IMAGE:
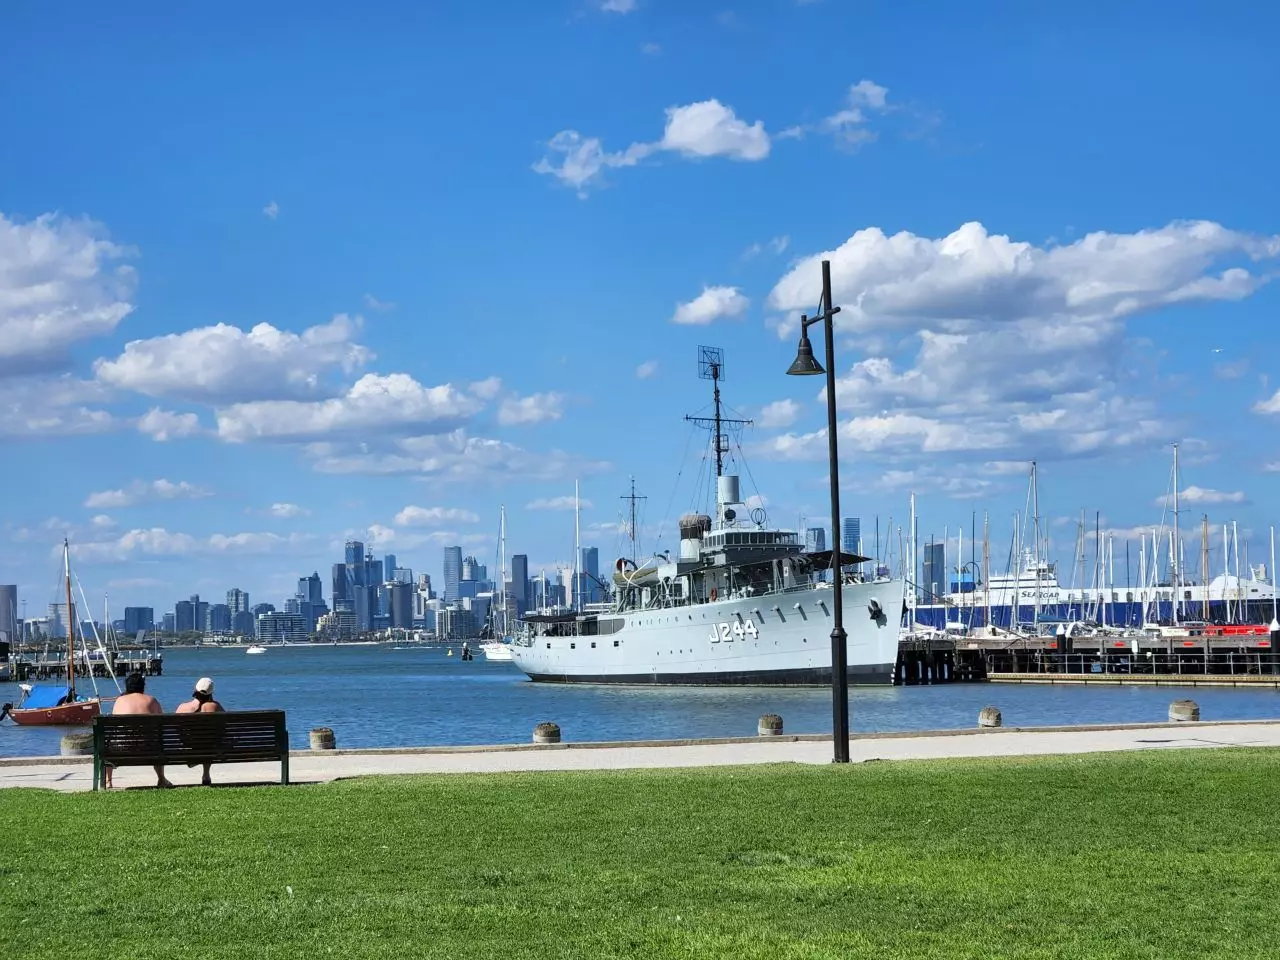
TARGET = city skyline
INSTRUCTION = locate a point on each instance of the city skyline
(215, 372)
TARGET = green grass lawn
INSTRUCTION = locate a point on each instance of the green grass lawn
(1114, 855)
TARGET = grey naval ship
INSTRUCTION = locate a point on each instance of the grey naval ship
(741, 603)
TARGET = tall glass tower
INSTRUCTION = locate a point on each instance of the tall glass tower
(452, 572)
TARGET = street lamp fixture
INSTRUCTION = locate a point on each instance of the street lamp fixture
(806, 364)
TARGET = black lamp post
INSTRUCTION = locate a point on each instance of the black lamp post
(806, 365)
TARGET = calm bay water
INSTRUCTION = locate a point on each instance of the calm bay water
(379, 696)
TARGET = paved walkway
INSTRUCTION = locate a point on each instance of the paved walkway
(75, 774)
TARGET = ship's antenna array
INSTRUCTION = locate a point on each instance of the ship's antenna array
(711, 367)
(632, 498)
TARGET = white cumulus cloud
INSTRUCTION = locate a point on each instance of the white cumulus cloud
(1202, 495)
(558, 503)
(223, 363)
(287, 511)
(395, 402)
(704, 129)
(535, 408)
(161, 425)
(982, 343)
(646, 370)
(412, 516)
(61, 281)
(780, 413)
(142, 491)
(712, 304)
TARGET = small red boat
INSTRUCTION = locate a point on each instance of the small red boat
(58, 706)
(49, 707)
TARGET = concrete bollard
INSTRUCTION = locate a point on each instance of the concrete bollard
(546, 733)
(989, 717)
(1181, 710)
(77, 744)
(770, 725)
(322, 738)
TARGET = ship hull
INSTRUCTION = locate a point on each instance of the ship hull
(78, 714)
(787, 643)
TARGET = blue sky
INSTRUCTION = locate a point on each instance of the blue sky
(271, 275)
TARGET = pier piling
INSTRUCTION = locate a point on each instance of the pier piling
(770, 725)
(990, 717)
(546, 733)
(322, 738)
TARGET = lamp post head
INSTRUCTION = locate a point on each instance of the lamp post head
(805, 363)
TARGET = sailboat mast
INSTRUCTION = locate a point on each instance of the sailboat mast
(1176, 552)
(915, 567)
(577, 552)
(1035, 506)
(1204, 565)
(986, 565)
(71, 622)
(1275, 599)
(502, 554)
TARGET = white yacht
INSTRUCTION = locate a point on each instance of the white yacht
(496, 650)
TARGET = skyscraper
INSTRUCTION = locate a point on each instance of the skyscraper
(237, 600)
(219, 618)
(933, 574)
(452, 572)
(9, 612)
(589, 574)
(388, 566)
(184, 617)
(850, 534)
(402, 605)
(815, 539)
(311, 589)
(341, 589)
(137, 618)
(520, 581)
(357, 573)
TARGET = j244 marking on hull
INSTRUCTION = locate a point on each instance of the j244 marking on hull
(737, 630)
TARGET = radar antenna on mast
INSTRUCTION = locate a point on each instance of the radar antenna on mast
(711, 367)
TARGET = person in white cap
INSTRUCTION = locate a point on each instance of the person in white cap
(202, 702)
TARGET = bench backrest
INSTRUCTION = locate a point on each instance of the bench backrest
(244, 734)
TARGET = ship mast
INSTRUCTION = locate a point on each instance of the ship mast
(71, 627)
(711, 367)
(633, 530)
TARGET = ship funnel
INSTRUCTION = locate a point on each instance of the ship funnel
(692, 528)
(727, 490)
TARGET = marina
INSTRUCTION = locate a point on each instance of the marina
(426, 698)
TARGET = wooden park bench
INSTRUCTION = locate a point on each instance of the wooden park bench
(177, 739)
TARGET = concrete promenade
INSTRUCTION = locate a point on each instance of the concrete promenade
(71, 774)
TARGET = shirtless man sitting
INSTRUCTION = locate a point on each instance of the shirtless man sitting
(136, 700)
(202, 702)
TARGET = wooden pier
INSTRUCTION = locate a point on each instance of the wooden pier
(1142, 679)
(26, 667)
(1207, 660)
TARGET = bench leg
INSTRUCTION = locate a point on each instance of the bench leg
(284, 769)
(97, 771)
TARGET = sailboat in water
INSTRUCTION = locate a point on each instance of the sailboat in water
(496, 643)
(51, 705)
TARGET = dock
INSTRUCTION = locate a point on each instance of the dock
(51, 666)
